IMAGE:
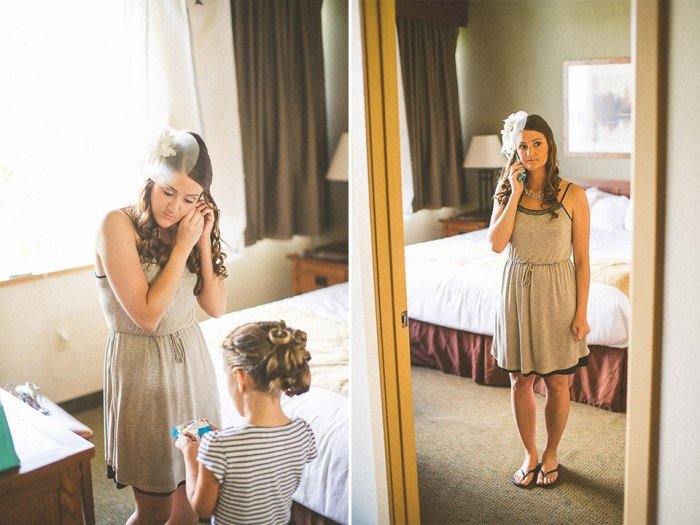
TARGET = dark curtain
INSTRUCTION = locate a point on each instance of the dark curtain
(429, 73)
(281, 99)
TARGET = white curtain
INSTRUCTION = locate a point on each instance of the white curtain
(161, 67)
(404, 143)
(215, 80)
(181, 59)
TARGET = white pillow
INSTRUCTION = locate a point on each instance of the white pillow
(607, 210)
(629, 214)
(592, 194)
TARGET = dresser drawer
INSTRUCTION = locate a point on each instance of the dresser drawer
(312, 274)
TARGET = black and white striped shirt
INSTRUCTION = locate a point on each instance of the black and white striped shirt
(258, 469)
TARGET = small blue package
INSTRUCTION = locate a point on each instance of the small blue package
(196, 427)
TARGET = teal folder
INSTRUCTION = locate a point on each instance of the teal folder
(8, 456)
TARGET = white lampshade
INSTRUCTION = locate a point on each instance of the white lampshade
(484, 152)
(338, 170)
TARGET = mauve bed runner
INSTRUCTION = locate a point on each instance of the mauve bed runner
(603, 383)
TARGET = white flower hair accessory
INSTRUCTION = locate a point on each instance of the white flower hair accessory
(513, 125)
(163, 146)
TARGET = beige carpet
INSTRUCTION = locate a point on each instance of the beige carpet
(467, 449)
(112, 506)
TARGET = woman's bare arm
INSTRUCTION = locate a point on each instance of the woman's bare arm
(212, 297)
(581, 237)
(503, 217)
(116, 248)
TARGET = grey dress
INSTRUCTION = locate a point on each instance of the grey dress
(153, 382)
(538, 297)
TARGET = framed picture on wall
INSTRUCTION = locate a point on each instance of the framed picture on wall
(598, 107)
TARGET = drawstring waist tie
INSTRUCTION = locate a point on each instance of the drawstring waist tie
(527, 272)
(176, 341)
(175, 338)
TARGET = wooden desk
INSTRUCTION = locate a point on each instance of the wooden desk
(53, 484)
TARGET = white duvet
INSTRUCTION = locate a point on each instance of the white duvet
(323, 315)
(455, 282)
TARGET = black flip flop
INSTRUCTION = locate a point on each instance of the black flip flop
(525, 475)
(545, 474)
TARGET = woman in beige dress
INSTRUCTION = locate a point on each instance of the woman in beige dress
(541, 324)
(154, 259)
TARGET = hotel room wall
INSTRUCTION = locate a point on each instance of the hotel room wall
(679, 421)
(510, 57)
(32, 313)
(424, 225)
(334, 19)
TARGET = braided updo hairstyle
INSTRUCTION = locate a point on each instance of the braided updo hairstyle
(273, 354)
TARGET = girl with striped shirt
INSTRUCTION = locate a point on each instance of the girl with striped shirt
(247, 474)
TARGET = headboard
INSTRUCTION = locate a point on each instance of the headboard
(616, 187)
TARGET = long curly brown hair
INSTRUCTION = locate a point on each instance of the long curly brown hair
(273, 354)
(552, 179)
(152, 248)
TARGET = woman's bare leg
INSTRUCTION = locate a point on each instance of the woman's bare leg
(182, 513)
(522, 398)
(158, 510)
(556, 414)
(150, 510)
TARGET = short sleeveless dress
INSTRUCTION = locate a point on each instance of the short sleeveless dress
(538, 297)
(153, 382)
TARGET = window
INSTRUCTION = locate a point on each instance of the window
(69, 149)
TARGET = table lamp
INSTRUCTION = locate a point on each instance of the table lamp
(338, 170)
(484, 154)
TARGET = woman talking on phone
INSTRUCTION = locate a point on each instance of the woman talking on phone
(541, 323)
(153, 260)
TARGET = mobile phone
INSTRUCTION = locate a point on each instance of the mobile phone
(523, 175)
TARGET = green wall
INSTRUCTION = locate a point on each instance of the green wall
(510, 58)
(334, 19)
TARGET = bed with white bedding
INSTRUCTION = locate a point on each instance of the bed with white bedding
(323, 315)
(453, 291)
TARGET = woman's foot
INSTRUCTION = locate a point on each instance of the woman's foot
(527, 472)
(549, 471)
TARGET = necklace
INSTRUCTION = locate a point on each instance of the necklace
(533, 195)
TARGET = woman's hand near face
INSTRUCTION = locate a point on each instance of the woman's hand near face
(212, 297)
(207, 213)
(503, 217)
(516, 169)
(117, 249)
(189, 229)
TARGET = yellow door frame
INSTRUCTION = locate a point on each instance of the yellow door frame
(647, 277)
(378, 23)
(641, 462)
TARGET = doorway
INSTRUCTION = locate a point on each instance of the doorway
(394, 358)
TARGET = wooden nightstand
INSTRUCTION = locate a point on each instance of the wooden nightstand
(463, 223)
(319, 267)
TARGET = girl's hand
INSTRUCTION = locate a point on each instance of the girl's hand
(516, 169)
(207, 213)
(187, 444)
(189, 229)
(580, 328)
